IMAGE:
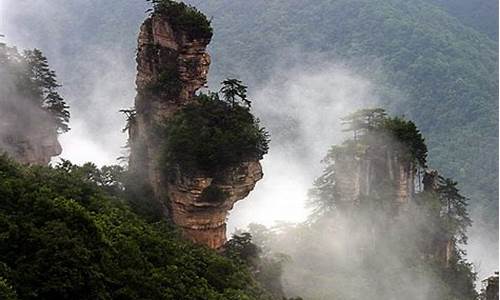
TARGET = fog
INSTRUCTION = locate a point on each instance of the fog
(343, 257)
(95, 66)
(20, 116)
(300, 105)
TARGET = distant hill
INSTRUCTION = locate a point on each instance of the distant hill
(446, 70)
(481, 15)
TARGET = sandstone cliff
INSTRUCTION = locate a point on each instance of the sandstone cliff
(374, 172)
(172, 64)
(28, 135)
(377, 172)
(36, 149)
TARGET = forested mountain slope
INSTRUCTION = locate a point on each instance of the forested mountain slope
(446, 70)
(481, 15)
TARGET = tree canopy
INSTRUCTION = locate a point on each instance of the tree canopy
(403, 135)
(214, 132)
(66, 233)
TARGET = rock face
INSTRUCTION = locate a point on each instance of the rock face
(205, 221)
(32, 150)
(171, 67)
(29, 141)
(377, 172)
(374, 172)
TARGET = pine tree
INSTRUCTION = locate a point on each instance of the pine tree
(43, 88)
(364, 120)
(454, 210)
(233, 91)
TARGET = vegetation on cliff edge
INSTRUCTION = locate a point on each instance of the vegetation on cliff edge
(183, 17)
(373, 126)
(214, 132)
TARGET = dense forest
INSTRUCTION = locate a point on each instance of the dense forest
(481, 15)
(68, 232)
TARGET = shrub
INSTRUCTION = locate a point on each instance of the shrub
(6, 291)
(168, 82)
(210, 135)
(184, 17)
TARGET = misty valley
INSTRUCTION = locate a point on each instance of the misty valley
(231, 149)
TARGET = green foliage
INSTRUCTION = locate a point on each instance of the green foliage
(46, 87)
(455, 209)
(211, 135)
(184, 17)
(322, 199)
(481, 15)
(168, 82)
(64, 235)
(240, 246)
(267, 267)
(364, 120)
(233, 90)
(373, 126)
(6, 291)
(407, 133)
